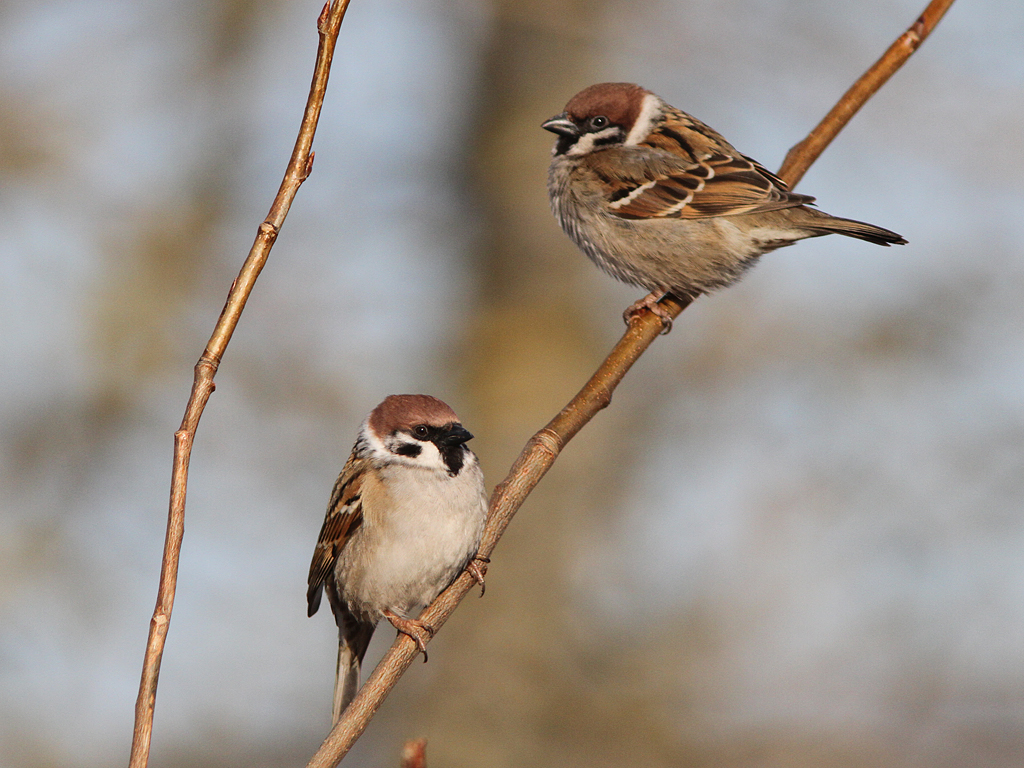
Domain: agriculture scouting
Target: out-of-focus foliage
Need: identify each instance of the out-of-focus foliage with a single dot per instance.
(793, 540)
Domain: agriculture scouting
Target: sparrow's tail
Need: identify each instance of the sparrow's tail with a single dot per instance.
(860, 230)
(353, 639)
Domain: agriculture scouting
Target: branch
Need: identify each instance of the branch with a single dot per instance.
(299, 167)
(535, 460)
(800, 157)
(543, 448)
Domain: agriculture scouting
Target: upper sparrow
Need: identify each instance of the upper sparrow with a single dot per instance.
(405, 518)
(659, 200)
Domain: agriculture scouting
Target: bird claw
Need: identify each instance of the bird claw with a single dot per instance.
(420, 632)
(477, 568)
(650, 304)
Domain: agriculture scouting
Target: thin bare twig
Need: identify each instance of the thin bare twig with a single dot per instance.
(800, 157)
(543, 448)
(299, 167)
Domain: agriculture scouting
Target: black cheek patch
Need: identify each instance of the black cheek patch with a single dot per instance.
(605, 141)
(409, 449)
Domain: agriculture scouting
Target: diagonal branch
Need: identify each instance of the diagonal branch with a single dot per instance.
(543, 448)
(299, 167)
(534, 461)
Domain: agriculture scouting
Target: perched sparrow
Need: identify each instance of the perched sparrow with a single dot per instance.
(405, 518)
(659, 200)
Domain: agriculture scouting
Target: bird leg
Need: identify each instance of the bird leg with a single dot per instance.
(419, 631)
(477, 568)
(650, 303)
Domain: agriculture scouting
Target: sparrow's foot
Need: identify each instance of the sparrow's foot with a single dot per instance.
(419, 631)
(477, 568)
(650, 303)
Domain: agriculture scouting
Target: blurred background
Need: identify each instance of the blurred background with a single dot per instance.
(795, 539)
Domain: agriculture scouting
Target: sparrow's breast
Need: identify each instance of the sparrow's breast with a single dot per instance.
(419, 530)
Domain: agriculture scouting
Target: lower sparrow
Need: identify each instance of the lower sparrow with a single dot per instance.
(659, 200)
(405, 518)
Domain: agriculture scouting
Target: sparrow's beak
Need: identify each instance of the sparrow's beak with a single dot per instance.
(562, 125)
(457, 435)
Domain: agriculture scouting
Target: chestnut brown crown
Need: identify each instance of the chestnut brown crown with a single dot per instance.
(619, 102)
(403, 412)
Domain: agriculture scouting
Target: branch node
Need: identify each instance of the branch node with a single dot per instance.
(309, 166)
(268, 231)
(206, 369)
(916, 33)
(548, 441)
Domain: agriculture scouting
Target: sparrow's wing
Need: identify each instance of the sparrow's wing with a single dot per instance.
(344, 515)
(657, 181)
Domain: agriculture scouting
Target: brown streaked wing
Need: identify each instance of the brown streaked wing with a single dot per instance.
(657, 199)
(640, 185)
(344, 515)
(720, 185)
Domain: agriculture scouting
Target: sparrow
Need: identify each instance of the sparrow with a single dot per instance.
(405, 518)
(659, 200)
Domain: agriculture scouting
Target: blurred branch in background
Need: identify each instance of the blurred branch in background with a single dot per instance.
(544, 447)
(414, 754)
(299, 167)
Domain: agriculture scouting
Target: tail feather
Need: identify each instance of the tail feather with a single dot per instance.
(346, 679)
(353, 639)
(863, 231)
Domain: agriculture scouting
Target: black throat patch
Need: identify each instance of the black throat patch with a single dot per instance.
(453, 456)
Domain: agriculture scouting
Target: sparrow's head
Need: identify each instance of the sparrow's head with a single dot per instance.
(419, 431)
(603, 115)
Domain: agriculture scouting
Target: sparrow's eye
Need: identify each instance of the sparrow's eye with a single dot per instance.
(599, 122)
(420, 431)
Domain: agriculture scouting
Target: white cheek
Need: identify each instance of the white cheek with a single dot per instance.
(430, 457)
(585, 144)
